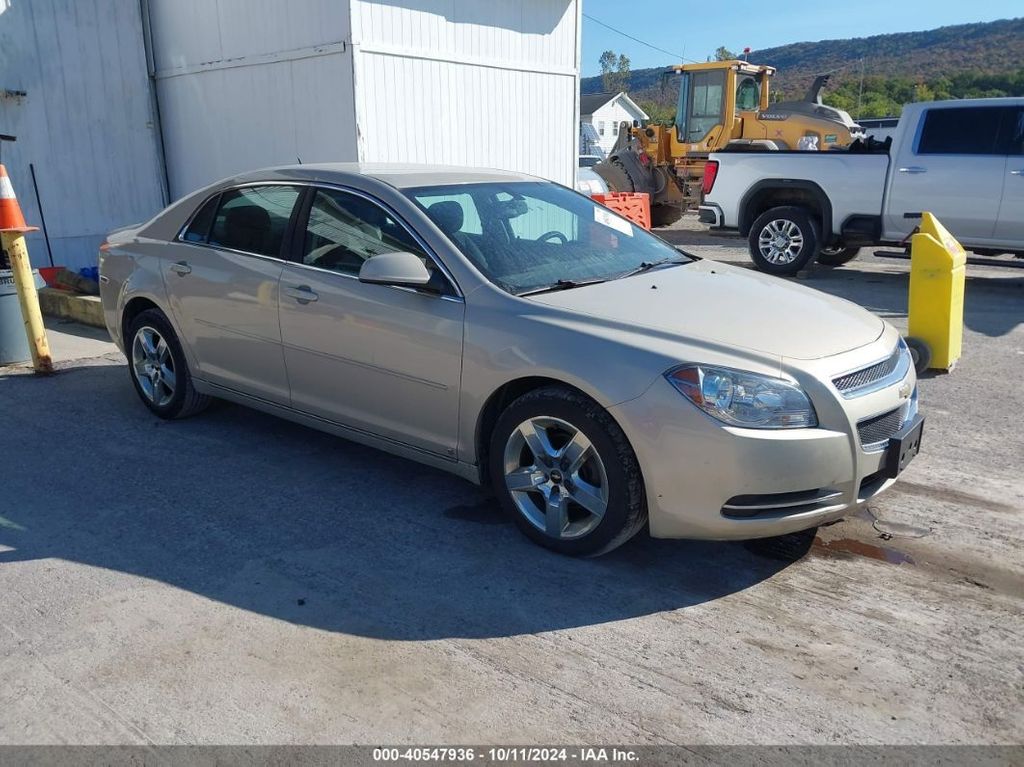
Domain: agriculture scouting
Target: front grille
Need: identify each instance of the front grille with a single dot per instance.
(867, 376)
(876, 431)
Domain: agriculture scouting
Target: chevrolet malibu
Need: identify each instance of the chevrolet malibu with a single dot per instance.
(517, 334)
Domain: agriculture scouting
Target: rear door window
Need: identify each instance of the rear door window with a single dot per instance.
(963, 130)
(1012, 139)
(254, 219)
(199, 229)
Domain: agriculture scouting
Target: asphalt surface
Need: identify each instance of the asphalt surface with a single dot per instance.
(234, 578)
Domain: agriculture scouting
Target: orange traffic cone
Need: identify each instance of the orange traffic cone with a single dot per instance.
(11, 219)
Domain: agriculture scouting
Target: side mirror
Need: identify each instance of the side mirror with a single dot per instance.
(401, 268)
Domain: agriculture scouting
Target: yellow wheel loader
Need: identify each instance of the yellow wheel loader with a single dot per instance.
(722, 106)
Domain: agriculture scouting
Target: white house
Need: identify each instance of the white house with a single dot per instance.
(605, 111)
(120, 105)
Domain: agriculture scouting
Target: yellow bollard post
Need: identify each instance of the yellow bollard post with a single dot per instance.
(12, 235)
(936, 304)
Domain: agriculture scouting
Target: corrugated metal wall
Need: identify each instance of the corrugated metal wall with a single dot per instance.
(469, 83)
(85, 123)
(249, 83)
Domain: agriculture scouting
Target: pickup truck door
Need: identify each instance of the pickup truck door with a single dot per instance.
(953, 167)
(1010, 225)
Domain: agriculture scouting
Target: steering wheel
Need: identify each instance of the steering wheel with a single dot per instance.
(552, 234)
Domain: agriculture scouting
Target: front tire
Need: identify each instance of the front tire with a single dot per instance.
(615, 176)
(158, 369)
(565, 472)
(783, 240)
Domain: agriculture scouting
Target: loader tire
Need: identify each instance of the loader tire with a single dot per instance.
(615, 176)
(665, 215)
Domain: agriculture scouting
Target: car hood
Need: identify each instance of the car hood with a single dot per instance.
(707, 300)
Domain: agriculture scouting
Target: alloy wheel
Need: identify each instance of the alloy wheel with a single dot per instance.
(556, 477)
(153, 366)
(781, 242)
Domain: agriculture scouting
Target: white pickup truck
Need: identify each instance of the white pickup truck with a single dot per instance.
(961, 160)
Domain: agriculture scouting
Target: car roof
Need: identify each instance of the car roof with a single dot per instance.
(399, 175)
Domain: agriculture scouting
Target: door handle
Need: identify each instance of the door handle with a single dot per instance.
(303, 294)
(914, 169)
(181, 268)
(1019, 172)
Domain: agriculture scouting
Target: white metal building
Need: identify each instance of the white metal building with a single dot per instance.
(74, 91)
(119, 104)
(605, 111)
(243, 84)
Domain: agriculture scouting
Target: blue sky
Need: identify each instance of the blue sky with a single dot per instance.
(739, 23)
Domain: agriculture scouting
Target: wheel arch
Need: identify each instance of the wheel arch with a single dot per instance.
(501, 398)
(132, 309)
(774, 193)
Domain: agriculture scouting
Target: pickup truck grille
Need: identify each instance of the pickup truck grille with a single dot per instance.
(875, 432)
(849, 383)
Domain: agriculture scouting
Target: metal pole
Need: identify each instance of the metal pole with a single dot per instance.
(42, 218)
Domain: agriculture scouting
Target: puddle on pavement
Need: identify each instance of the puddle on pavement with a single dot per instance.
(842, 546)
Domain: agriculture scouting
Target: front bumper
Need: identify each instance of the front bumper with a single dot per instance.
(707, 480)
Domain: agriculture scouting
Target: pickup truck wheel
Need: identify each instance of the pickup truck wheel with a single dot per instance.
(782, 240)
(837, 255)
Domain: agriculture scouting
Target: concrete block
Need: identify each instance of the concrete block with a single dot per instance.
(60, 303)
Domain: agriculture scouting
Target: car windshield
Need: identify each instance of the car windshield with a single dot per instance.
(532, 235)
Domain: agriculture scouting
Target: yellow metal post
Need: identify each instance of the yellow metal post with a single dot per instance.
(25, 285)
(936, 305)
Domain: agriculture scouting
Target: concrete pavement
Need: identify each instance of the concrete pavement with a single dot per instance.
(237, 579)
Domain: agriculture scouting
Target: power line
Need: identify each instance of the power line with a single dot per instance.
(638, 40)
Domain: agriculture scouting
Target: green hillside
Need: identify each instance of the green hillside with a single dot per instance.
(967, 60)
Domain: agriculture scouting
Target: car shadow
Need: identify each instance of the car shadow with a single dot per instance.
(294, 524)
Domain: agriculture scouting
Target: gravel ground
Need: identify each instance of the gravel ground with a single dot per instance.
(238, 579)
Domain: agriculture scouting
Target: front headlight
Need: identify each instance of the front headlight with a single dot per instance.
(744, 399)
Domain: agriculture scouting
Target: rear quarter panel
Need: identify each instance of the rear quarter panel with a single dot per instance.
(853, 183)
(131, 270)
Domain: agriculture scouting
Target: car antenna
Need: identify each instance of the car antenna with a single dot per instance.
(299, 159)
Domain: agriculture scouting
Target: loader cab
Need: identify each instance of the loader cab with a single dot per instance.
(708, 92)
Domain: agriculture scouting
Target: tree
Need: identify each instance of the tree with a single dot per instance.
(623, 73)
(614, 72)
(659, 113)
(723, 54)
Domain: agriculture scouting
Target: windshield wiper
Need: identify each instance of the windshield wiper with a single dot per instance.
(646, 266)
(561, 285)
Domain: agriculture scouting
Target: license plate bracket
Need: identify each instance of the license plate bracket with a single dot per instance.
(904, 446)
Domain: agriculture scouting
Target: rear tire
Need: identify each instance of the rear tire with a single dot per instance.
(158, 369)
(783, 240)
(565, 472)
(837, 255)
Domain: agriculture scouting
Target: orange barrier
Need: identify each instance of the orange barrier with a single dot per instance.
(636, 206)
